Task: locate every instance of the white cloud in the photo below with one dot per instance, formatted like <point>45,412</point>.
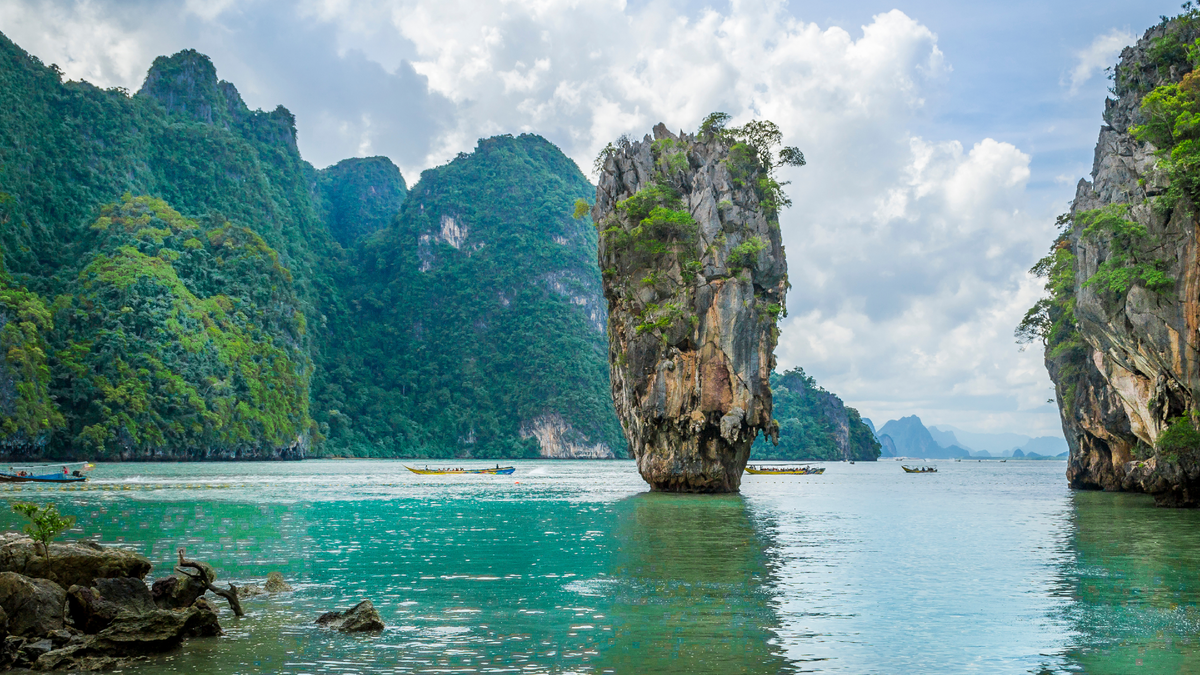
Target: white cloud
<point>1097,56</point>
<point>907,254</point>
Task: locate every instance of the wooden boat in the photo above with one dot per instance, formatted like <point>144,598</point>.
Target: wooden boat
<point>919,469</point>
<point>786,470</point>
<point>47,473</point>
<point>498,471</point>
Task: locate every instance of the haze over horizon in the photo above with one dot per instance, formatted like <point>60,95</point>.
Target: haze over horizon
<point>941,140</point>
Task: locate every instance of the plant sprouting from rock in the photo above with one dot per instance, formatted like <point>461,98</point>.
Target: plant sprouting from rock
<point>754,148</point>
<point>45,523</point>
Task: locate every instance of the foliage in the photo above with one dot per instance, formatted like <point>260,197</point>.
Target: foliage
<point>180,337</point>
<point>358,197</point>
<point>456,350</point>
<point>27,412</point>
<point>1052,319</point>
<point>753,156</point>
<point>808,418</point>
<point>272,303</point>
<point>745,253</point>
<point>45,522</point>
<point>1125,265</point>
<point>1180,438</point>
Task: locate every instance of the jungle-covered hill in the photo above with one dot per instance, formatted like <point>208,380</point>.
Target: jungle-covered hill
<point>178,283</point>
<point>814,424</point>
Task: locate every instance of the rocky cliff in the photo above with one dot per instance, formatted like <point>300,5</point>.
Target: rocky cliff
<point>695,276</point>
<point>1120,327</point>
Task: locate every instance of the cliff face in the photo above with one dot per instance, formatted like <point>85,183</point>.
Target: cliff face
<point>1121,328</point>
<point>695,276</point>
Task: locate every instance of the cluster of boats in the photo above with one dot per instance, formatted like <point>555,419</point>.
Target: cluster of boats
<point>74,472</point>
<point>786,470</point>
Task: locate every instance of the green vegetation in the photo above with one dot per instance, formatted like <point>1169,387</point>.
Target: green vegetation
<point>27,412</point>
<point>1052,319</point>
<point>181,284</point>
<point>458,345</point>
<point>1180,438</point>
<point>1125,265</point>
<point>753,155</point>
<point>179,337</point>
<point>809,419</point>
<point>45,523</point>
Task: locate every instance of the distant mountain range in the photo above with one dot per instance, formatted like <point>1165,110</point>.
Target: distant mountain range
<point>909,437</point>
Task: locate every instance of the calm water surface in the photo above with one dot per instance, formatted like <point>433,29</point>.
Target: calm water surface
<point>572,567</point>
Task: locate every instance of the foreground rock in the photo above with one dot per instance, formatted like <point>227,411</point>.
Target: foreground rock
<point>77,562</point>
<point>133,632</point>
<point>360,618</point>
<point>1121,326</point>
<point>35,607</point>
<point>695,276</point>
<point>101,624</point>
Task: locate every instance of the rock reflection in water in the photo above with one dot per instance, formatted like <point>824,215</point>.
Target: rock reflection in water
<point>690,589</point>
<point>1132,586</point>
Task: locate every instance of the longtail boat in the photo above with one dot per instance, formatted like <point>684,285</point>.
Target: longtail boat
<point>498,471</point>
<point>786,470</point>
<point>919,469</point>
<point>71,472</point>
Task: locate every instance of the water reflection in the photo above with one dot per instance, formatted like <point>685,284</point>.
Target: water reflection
<point>690,590</point>
<point>1131,586</point>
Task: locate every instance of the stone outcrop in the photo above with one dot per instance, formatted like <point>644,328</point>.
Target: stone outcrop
<point>361,618</point>
<point>695,276</point>
<point>76,562</point>
<point>1131,367</point>
<point>102,622</point>
<point>35,607</point>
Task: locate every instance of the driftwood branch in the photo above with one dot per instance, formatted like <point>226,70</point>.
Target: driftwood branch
<point>203,577</point>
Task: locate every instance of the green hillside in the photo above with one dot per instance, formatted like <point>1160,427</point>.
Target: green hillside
<point>814,424</point>
<point>480,315</point>
<point>179,283</point>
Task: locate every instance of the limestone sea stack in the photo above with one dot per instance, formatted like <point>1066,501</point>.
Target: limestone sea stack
<point>1121,323</point>
<point>695,276</point>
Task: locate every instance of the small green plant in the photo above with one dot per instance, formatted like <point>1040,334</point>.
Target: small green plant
<point>746,253</point>
<point>45,523</point>
<point>581,208</point>
<point>1180,437</point>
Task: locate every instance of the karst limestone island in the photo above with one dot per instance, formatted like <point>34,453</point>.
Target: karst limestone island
<point>1120,325</point>
<point>695,276</point>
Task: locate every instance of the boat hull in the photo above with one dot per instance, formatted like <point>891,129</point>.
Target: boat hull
<point>786,472</point>
<point>45,478</point>
<point>911,470</point>
<point>502,471</point>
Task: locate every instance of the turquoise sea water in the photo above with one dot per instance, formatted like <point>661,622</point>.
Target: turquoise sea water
<point>573,567</point>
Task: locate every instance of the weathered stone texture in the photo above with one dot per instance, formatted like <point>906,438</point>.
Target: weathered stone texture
<point>691,329</point>
<point>1141,368</point>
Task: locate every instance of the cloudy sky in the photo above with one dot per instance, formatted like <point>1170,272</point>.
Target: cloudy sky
<point>942,137</point>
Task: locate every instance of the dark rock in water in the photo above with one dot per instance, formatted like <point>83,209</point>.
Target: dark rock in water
<point>77,562</point>
<point>181,590</point>
<point>360,618</point>
<point>133,633</point>
<point>94,609</point>
<point>695,276</point>
<point>276,584</point>
<point>34,606</point>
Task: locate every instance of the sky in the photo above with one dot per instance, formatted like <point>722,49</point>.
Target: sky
<point>942,138</point>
